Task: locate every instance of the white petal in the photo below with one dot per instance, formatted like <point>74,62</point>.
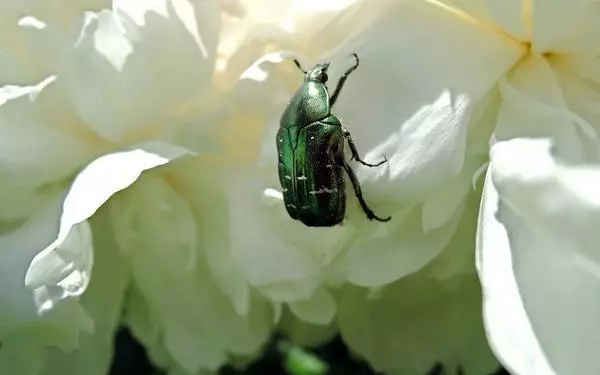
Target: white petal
<point>578,76</point>
<point>122,79</point>
<point>416,322</point>
<point>277,264</point>
<point>427,149</point>
<point>34,35</point>
<point>64,271</point>
<point>103,301</point>
<point>383,254</point>
<point>213,228</point>
<point>63,268</point>
<point>35,147</point>
<point>302,333</point>
<point>508,328</point>
<point>157,229</point>
<point>17,248</point>
<point>24,348</point>
<point>565,26</point>
<point>255,26</point>
<point>501,16</point>
<point>513,16</point>
<point>534,106</point>
<point>538,262</point>
<point>318,309</point>
<point>420,124</point>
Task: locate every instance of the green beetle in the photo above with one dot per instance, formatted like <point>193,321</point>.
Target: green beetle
<point>310,145</point>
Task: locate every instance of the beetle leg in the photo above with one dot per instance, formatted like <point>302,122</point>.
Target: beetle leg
<point>342,80</point>
<point>354,151</point>
<point>358,192</point>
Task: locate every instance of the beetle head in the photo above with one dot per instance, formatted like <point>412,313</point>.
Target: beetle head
<point>318,73</point>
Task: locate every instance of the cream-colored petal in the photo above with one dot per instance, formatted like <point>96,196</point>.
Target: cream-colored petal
<point>103,301</point>
<point>204,195</point>
<point>34,35</point>
<point>24,348</point>
<point>17,249</point>
<point>579,89</point>
<point>399,91</point>
<point>582,65</point>
<point>305,334</point>
<point>566,26</point>
<point>63,268</point>
<point>426,149</point>
<point>416,322</point>
<point>255,27</point>
<point>319,309</point>
<point>538,260</point>
<point>534,106</point>
<point>383,254</point>
<point>156,230</point>
<point>278,264</point>
<point>35,147</point>
<point>124,84</point>
<point>509,331</point>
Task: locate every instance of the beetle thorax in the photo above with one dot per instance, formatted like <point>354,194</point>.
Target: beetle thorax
<point>317,74</point>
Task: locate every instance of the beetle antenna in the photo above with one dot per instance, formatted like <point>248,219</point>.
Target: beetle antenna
<point>299,67</point>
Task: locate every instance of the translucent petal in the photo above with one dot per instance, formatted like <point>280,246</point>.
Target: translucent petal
<point>318,309</point>
<point>24,334</point>
<point>213,228</point>
<point>17,249</point>
<point>103,301</point>
<point>305,334</point>
<point>427,149</point>
<point>509,331</point>
<point>538,259</point>
<point>156,229</point>
<point>108,70</point>
<point>383,254</point>
<point>63,268</point>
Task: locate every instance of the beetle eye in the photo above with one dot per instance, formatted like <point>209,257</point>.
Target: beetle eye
<point>324,77</point>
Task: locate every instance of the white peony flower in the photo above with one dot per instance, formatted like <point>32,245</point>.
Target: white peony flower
<point>136,189</point>
<point>101,146</point>
<point>437,81</point>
